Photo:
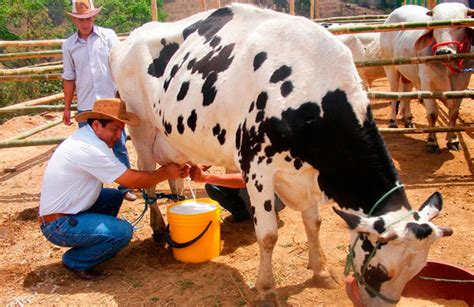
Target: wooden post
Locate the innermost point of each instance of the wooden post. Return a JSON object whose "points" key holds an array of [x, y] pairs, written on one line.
{"points": [[154, 11], [318, 9], [311, 9], [217, 4], [431, 4], [203, 5], [292, 6]]}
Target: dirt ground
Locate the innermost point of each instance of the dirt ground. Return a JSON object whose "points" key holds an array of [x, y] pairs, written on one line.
{"points": [[147, 274]]}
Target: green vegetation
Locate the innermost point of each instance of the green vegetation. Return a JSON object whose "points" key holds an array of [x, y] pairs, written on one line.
{"points": [[46, 19]]}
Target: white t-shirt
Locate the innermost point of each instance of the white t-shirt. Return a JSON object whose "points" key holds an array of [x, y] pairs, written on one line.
{"points": [[75, 173]]}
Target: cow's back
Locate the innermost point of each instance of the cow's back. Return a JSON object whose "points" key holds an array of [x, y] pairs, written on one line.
{"points": [[203, 77]]}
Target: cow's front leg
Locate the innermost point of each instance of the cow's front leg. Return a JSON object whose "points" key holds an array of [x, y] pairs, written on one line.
{"points": [[452, 141], [431, 115]]}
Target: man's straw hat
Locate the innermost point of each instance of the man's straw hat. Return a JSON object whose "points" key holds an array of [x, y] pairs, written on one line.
{"points": [[83, 9], [109, 108]]}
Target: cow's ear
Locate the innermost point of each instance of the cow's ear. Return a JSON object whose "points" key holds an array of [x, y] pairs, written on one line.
{"points": [[431, 207], [355, 222], [429, 13], [424, 41]]}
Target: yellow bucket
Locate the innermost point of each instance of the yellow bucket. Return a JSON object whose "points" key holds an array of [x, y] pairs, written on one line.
{"points": [[194, 230]]}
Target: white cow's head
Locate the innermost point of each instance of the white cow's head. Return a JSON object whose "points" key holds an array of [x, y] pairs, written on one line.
{"points": [[401, 241], [447, 40]]}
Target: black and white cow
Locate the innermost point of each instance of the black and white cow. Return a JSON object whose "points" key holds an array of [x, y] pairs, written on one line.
{"points": [[278, 98]]}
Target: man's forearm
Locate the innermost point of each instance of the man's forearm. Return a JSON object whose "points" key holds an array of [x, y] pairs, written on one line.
{"points": [[69, 87]]}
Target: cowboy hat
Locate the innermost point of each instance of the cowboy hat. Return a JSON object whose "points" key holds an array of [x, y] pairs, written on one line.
{"points": [[83, 9], [109, 108]]}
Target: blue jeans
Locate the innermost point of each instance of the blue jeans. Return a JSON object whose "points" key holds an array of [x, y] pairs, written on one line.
{"points": [[236, 201], [95, 235]]}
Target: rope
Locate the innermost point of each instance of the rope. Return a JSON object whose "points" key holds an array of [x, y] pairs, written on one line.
{"points": [[460, 281], [149, 200]]}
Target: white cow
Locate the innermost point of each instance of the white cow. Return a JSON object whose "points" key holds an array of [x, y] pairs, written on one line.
{"points": [[432, 76], [263, 93]]}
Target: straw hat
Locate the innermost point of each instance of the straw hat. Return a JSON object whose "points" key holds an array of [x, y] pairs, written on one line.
{"points": [[83, 9], [109, 108]]}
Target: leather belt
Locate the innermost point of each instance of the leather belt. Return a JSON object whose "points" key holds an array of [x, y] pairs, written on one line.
{"points": [[50, 217]]}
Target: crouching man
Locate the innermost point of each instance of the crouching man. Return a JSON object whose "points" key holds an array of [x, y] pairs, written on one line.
{"points": [[75, 210]]}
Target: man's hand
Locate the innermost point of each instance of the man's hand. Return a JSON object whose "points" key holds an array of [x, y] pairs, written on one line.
{"points": [[197, 174], [174, 171], [67, 117]]}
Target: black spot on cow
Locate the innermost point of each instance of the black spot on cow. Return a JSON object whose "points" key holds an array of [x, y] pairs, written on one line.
{"points": [[280, 74], [258, 60], [252, 210], [173, 72], [185, 58], [254, 176], [154, 106], [214, 22], [238, 135], [262, 100], [258, 186], [286, 88], [288, 159], [216, 129], [183, 91], [157, 68], [159, 112], [297, 164], [191, 64], [375, 276], [180, 125], [260, 159], [260, 116], [268, 205], [416, 216], [421, 231], [215, 41], [255, 221], [191, 29], [379, 225], [221, 137], [334, 144], [168, 127], [213, 61], [192, 119], [252, 105], [208, 89], [269, 160]]}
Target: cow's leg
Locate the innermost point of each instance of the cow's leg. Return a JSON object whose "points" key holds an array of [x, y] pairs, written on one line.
{"points": [[176, 186], [452, 141], [143, 138], [405, 108], [431, 115], [393, 77]]}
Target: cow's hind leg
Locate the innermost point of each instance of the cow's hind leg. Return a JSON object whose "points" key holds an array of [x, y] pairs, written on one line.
{"points": [[393, 77], [452, 141], [432, 145]]}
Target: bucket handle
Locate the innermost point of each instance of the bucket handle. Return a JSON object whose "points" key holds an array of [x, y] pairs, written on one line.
{"points": [[174, 244]]}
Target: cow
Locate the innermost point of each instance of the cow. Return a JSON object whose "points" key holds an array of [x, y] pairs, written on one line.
{"points": [[430, 76], [364, 47], [263, 93]]}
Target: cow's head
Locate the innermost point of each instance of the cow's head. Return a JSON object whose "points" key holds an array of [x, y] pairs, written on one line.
{"points": [[389, 250], [447, 40]]}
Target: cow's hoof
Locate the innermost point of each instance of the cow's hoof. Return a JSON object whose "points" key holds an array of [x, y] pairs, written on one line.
{"points": [[409, 125], [433, 148], [326, 281], [392, 124], [454, 146], [267, 299]]}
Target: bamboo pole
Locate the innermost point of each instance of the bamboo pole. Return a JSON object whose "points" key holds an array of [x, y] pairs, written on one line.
{"points": [[60, 62], [458, 23], [35, 130], [30, 70], [291, 4], [33, 109], [217, 3], [203, 5], [425, 130], [27, 78], [37, 142], [31, 55], [154, 11], [35, 102], [311, 9], [431, 4], [38, 43], [420, 95], [418, 60], [348, 18]]}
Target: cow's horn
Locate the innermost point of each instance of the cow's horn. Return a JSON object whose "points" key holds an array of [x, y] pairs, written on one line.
{"points": [[387, 237]]}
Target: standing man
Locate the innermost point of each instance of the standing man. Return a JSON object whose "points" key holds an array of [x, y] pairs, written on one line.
{"points": [[87, 71], [75, 210]]}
